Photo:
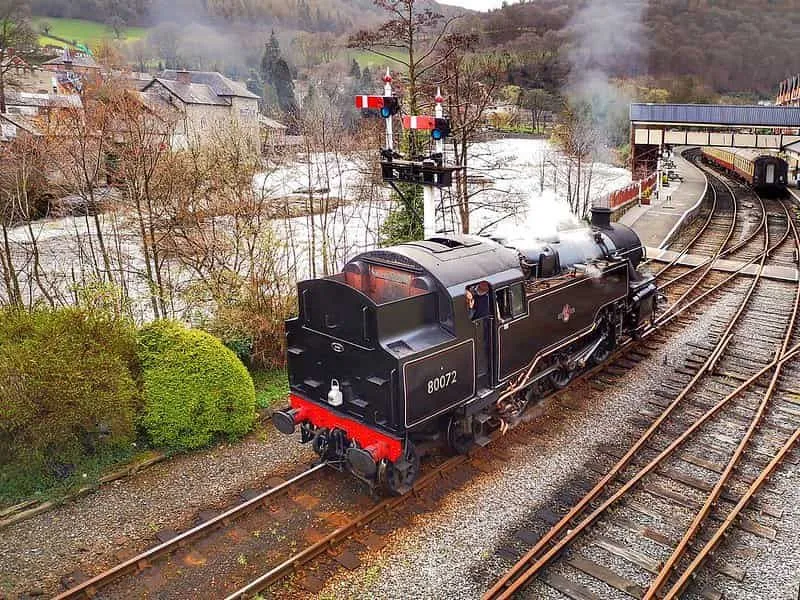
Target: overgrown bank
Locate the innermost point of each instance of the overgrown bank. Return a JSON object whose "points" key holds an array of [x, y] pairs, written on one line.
{"points": [[84, 389]]}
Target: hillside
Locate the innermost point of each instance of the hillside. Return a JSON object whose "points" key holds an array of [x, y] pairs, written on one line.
{"points": [[79, 30], [338, 16], [728, 44]]}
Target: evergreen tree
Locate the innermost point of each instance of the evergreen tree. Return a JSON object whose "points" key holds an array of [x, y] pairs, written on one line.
{"points": [[277, 77], [368, 81], [355, 70]]}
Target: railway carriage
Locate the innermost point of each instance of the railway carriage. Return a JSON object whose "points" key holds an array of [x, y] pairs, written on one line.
{"points": [[444, 341], [763, 171]]}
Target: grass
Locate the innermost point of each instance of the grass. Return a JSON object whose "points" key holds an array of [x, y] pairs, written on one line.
{"points": [[80, 30], [374, 61], [271, 387], [18, 488]]}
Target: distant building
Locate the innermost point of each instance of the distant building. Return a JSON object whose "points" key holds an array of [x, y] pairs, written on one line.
{"points": [[39, 106], [74, 70], [208, 102], [789, 92], [24, 76], [13, 127]]}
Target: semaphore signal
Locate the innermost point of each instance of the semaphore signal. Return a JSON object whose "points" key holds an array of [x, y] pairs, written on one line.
{"points": [[430, 172], [387, 105]]}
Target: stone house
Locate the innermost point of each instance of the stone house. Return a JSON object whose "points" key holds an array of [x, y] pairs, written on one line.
{"points": [[210, 104], [73, 70]]}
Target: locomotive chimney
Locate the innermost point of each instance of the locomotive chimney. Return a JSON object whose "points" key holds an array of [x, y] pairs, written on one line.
{"points": [[601, 217], [183, 76]]}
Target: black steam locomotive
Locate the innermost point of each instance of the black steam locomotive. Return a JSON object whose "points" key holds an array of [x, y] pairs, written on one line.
{"points": [[444, 341]]}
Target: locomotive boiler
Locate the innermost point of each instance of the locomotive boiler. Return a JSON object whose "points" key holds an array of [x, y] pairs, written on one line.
{"points": [[443, 341]]}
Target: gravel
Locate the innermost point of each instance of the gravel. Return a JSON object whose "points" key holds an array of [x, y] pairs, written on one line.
{"points": [[125, 514], [451, 552]]}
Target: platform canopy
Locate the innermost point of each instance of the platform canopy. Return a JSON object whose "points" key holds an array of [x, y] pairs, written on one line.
{"points": [[716, 115], [772, 128]]}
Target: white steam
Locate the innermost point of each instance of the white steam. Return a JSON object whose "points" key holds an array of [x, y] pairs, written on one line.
{"points": [[608, 41]]}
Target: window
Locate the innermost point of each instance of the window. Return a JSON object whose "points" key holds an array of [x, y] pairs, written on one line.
{"points": [[511, 302]]}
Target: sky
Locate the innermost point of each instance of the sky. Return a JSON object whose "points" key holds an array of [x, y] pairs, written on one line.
{"points": [[475, 4]]}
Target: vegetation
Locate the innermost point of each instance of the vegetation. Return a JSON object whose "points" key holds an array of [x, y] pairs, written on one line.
{"points": [[78, 31], [272, 387], [277, 78], [68, 392], [16, 34], [195, 389]]}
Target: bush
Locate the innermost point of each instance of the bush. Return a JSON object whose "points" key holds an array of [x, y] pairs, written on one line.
{"points": [[195, 388], [255, 330], [67, 393]]}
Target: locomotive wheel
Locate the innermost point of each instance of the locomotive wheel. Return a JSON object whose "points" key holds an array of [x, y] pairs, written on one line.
{"points": [[459, 440], [601, 354], [561, 378], [604, 350], [401, 475]]}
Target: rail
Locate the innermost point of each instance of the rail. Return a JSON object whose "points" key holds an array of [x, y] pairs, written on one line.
{"points": [[566, 532], [88, 587]]}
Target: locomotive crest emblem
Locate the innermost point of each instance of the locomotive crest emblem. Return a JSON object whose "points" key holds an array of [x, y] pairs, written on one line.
{"points": [[566, 313], [337, 347]]}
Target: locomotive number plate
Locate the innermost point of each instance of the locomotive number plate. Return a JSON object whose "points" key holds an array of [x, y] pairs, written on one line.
{"points": [[438, 381], [443, 381]]}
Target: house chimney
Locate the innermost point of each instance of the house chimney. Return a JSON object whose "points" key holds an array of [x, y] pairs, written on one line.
{"points": [[183, 76]]}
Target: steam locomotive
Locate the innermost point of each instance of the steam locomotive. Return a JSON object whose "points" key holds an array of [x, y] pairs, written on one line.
{"points": [[445, 341], [765, 172]]}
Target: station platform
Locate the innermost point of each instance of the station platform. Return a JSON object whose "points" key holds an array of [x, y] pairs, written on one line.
{"points": [[778, 273], [658, 222]]}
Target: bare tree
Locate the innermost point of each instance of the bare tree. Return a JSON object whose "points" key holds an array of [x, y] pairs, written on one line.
{"points": [[412, 38], [80, 163], [16, 34], [140, 147], [471, 80], [576, 137]]}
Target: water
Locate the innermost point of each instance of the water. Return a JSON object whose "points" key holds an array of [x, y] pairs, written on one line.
{"points": [[509, 202]]}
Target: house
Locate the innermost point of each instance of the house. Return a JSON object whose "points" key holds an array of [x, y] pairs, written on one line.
{"points": [[273, 133], [211, 105], [19, 74], [13, 127], [40, 107], [74, 61]]}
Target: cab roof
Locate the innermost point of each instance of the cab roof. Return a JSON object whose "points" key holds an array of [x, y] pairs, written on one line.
{"points": [[452, 259]]}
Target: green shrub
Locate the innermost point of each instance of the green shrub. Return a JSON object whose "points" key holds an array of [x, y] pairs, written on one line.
{"points": [[67, 393], [195, 388]]}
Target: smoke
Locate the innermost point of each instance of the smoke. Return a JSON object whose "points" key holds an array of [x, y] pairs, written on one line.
{"points": [[608, 41], [185, 36]]}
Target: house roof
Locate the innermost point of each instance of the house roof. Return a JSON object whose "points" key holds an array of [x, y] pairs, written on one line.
{"points": [[716, 114], [15, 98], [153, 101], [67, 58], [221, 85], [190, 93]]}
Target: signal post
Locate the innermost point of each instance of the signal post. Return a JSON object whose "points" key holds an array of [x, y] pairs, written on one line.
{"points": [[430, 172]]}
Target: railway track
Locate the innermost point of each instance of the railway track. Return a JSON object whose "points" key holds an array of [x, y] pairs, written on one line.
{"points": [[628, 353], [705, 284], [89, 587], [665, 493]]}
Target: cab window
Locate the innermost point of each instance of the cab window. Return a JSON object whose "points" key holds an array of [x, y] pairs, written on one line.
{"points": [[511, 302]]}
